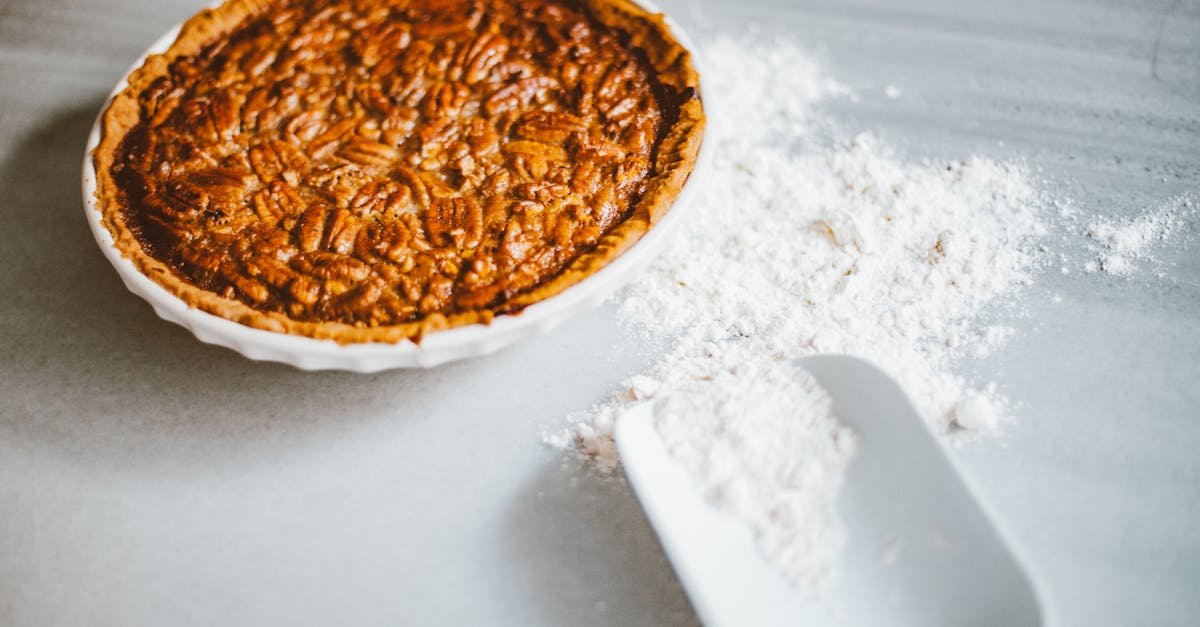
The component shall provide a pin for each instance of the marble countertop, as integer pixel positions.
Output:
(148, 479)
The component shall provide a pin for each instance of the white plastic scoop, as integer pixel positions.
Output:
(921, 549)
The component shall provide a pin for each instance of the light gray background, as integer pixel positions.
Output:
(148, 479)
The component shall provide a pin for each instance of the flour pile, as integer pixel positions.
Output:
(798, 246)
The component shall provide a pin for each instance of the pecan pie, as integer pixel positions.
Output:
(372, 170)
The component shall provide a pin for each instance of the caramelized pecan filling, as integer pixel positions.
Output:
(374, 163)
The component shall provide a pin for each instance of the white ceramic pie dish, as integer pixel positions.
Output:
(436, 348)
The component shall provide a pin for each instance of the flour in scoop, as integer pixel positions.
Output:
(762, 442)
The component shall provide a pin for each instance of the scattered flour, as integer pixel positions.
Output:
(1129, 240)
(797, 246)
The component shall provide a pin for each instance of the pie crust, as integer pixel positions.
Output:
(352, 218)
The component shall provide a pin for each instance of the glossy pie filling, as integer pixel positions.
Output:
(366, 163)
(372, 170)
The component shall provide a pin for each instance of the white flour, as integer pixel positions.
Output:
(1130, 240)
(781, 486)
(798, 247)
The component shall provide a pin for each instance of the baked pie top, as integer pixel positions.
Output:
(364, 170)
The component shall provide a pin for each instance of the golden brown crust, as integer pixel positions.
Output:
(675, 158)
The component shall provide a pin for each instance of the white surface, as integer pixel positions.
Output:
(921, 550)
(437, 348)
(147, 478)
